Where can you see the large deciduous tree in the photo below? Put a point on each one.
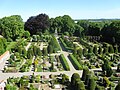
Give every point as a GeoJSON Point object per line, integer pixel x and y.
{"type": "Point", "coordinates": [37, 24]}
{"type": "Point", "coordinates": [111, 32]}
{"type": "Point", "coordinates": [12, 27]}
{"type": "Point", "coordinates": [3, 45]}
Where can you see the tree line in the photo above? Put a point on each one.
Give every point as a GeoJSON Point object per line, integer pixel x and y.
{"type": "Point", "coordinates": [13, 27]}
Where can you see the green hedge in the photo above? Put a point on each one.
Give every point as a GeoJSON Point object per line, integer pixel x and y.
{"type": "Point", "coordinates": [66, 47]}
{"type": "Point", "coordinates": [56, 45]}
{"type": "Point", "coordinates": [75, 63]}
{"type": "Point", "coordinates": [64, 62]}
{"type": "Point", "coordinates": [84, 43]}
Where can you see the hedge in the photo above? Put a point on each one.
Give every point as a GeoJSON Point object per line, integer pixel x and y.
{"type": "Point", "coordinates": [75, 63]}
{"type": "Point", "coordinates": [56, 45]}
{"type": "Point", "coordinates": [84, 43]}
{"type": "Point", "coordinates": [64, 44]}
{"type": "Point", "coordinates": [64, 62]}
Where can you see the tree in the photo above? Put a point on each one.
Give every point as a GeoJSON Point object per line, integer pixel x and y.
{"type": "Point", "coordinates": [111, 49]}
{"type": "Point", "coordinates": [78, 30]}
{"type": "Point", "coordinates": [85, 72]}
{"type": "Point", "coordinates": [56, 24]}
{"type": "Point", "coordinates": [94, 28]}
{"type": "Point", "coordinates": [88, 76]}
{"type": "Point", "coordinates": [111, 32]}
{"type": "Point", "coordinates": [79, 51]}
{"type": "Point", "coordinates": [95, 51]}
{"type": "Point", "coordinates": [116, 49]}
{"type": "Point", "coordinates": [68, 24]}
{"type": "Point", "coordinates": [65, 79]}
{"type": "Point", "coordinates": [100, 50]}
{"type": "Point", "coordinates": [107, 68]}
{"type": "Point", "coordinates": [52, 66]}
{"type": "Point", "coordinates": [45, 52]}
{"type": "Point", "coordinates": [85, 52]}
{"type": "Point", "coordinates": [106, 82]}
{"type": "Point", "coordinates": [84, 24]}
{"type": "Point", "coordinates": [50, 49]}
{"type": "Point", "coordinates": [12, 27]}
{"type": "Point", "coordinates": [90, 49]}
{"type": "Point", "coordinates": [91, 84]}
{"type": "Point", "coordinates": [30, 53]}
{"type": "Point", "coordinates": [80, 86]}
{"type": "Point", "coordinates": [105, 50]}
{"type": "Point", "coordinates": [74, 77]}
{"type": "Point", "coordinates": [37, 24]}
{"type": "Point", "coordinates": [118, 86]}
{"type": "Point", "coordinates": [3, 45]}
{"type": "Point", "coordinates": [26, 34]}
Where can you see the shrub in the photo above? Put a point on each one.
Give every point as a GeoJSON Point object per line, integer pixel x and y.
{"type": "Point", "coordinates": [75, 63]}
{"type": "Point", "coordinates": [64, 62]}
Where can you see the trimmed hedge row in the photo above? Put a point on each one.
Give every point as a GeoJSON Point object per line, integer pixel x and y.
{"type": "Point", "coordinates": [84, 43]}
{"type": "Point", "coordinates": [56, 45]}
{"type": "Point", "coordinates": [75, 63]}
{"type": "Point", "coordinates": [64, 62]}
{"type": "Point", "coordinates": [64, 44]}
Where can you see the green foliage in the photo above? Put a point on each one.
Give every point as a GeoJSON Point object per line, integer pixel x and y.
{"type": "Point", "coordinates": [64, 62]}
{"type": "Point", "coordinates": [65, 79]}
{"type": "Point", "coordinates": [95, 51]}
{"type": "Point", "coordinates": [90, 50]}
{"type": "Point", "coordinates": [100, 50]}
{"type": "Point", "coordinates": [75, 63]}
{"type": "Point", "coordinates": [12, 27]}
{"type": "Point", "coordinates": [75, 77]}
{"type": "Point", "coordinates": [118, 86]}
{"type": "Point", "coordinates": [111, 32]}
{"type": "Point", "coordinates": [3, 45]}
{"type": "Point", "coordinates": [94, 28]}
{"type": "Point", "coordinates": [91, 84]}
{"type": "Point", "coordinates": [85, 52]}
{"type": "Point", "coordinates": [80, 86]}
{"type": "Point", "coordinates": [53, 45]}
{"type": "Point", "coordinates": [79, 52]}
{"type": "Point", "coordinates": [111, 49]}
{"type": "Point", "coordinates": [11, 87]}
{"type": "Point", "coordinates": [65, 45]}
{"type": "Point", "coordinates": [30, 53]}
{"type": "Point", "coordinates": [107, 69]}
{"type": "Point", "coordinates": [45, 52]}
{"type": "Point", "coordinates": [37, 24]}
{"type": "Point", "coordinates": [88, 76]}
{"type": "Point", "coordinates": [26, 34]}
{"type": "Point", "coordinates": [106, 82]}
{"type": "Point", "coordinates": [50, 49]}
{"type": "Point", "coordinates": [85, 72]}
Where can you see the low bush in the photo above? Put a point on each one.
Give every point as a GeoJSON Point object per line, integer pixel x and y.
{"type": "Point", "coordinates": [75, 63]}
{"type": "Point", "coordinates": [64, 62]}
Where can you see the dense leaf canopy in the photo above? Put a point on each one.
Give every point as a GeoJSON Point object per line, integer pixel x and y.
{"type": "Point", "coordinates": [11, 27]}
{"type": "Point", "coordinates": [37, 24]}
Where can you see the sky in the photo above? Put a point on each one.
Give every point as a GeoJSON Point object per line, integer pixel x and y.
{"type": "Point", "coordinates": [77, 9]}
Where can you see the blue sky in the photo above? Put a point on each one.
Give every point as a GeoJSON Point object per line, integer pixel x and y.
{"type": "Point", "coordinates": [77, 9]}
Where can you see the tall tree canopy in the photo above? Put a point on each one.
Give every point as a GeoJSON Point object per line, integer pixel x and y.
{"type": "Point", "coordinates": [37, 24]}
{"type": "Point", "coordinates": [12, 27]}
{"type": "Point", "coordinates": [111, 32]}
{"type": "Point", "coordinates": [3, 45]}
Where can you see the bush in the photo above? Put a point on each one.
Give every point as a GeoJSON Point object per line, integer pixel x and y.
{"type": "Point", "coordinates": [64, 62]}
{"type": "Point", "coordinates": [54, 43]}
{"type": "Point", "coordinates": [75, 63]}
{"type": "Point", "coordinates": [64, 44]}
